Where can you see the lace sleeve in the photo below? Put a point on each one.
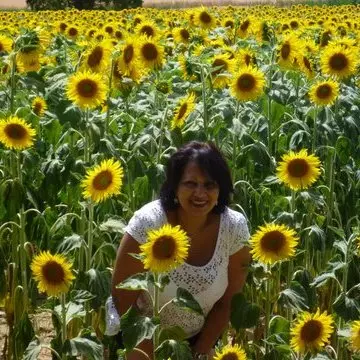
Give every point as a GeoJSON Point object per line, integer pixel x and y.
{"type": "Point", "coordinates": [241, 234]}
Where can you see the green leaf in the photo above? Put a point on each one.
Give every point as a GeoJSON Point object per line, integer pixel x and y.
{"type": "Point", "coordinates": [83, 346]}
{"type": "Point", "coordinates": [185, 300]}
{"type": "Point", "coordinates": [135, 328]}
{"type": "Point", "coordinates": [175, 350]}
{"type": "Point", "coordinates": [323, 278]}
{"type": "Point", "coordinates": [81, 296]}
{"type": "Point", "coordinates": [343, 149]}
{"type": "Point", "coordinates": [113, 225]}
{"type": "Point", "coordinates": [243, 313]}
{"type": "Point", "coordinates": [72, 311]}
{"type": "Point", "coordinates": [70, 243]}
{"type": "Point", "coordinates": [279, 330]}
{"type": "Point", "coordinates": [347, 308]}
{"type": "Point", "coordinates": [295, 296]}
{"type": "Point", "coordinates": [33, 350]}
{"type": "Point", "coordinates": [135, 282]}
{"type": "Point", "coordinates": [174, 332]}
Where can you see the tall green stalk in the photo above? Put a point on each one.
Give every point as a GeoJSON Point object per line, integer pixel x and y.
{"type": "Point", "coordinates": [107, 119]}
{"type": "Point", "coordinates": [267, 306]}
{"type": "Point", "coordinates": [205, 114]}
{"type": "Point", "coordinates": [22, 240]}
{"type": "Point", "coordinates": [63, 323]}
{"type": "Point", "coordinates": [156, 312]}
{"type": "Point", "coordinates": [314, 135]}
{"type": "Point", "coordinates": [12, 82]}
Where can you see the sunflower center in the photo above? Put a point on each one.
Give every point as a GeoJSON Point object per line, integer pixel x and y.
{"type": "Point", "coordinates": [182, 110]}
{"type": "Point", "coordinates": [95, 57]}
{"type": "Point", "coordinates": [307, 63]}
{"type": "Point", "coordinates": [109, 30]}
{"type": "Point", "coordinates": [184, 34]}
{"type": "Point", "coordinates": [247, 59]}
{"type": "Point", "coordinates": [205, 17]}
{"type": "Point", "coordinates": [102, 180]}
{"type": "Point", "coordinates": [298, 168]}
{"type": "Point", "coordinates": [15, 131]}
{"type": "Point", "coordinates": [246, 82]}
{"type": "Point", "coordinates": [229, 23]}
{"type": "Point", "coordinates": [285, 51]}
{"type": "Point", "coordinates": [73, 32]}
{"type": "Point", "coordinates": [118, 34]}
{"type": "Point", "coordinates": [311, 331]}
{"type": "Point", "coordinates": [221, 64]}
{"type": "Point", "coordinates": [53, 272]}
{"type": "Point", "coordinates": [294, 24]}
{"type": "Point", "coordinates": [148, 30]}
{"type": "Point", "coordinates": [338, 62]}
{"type": "Point", "coordinates": [87, 88]}
{"type": "Point", "coordinates": [164, 248]}
{"type": "Point", "coordinates": [323, 91]}
{"type": "Point", "coordinates": [273, 241]}
{"type": "Point", "coordinates": [230, 356]}
{"type": "Point", "coordinates": [128, 54]}
{"type": "Point", "coordinates": [37, 108]}
{"type": "Point", "coordinates": [63, 27]}
{"type": "Point", "coordinates": [149, 52]}
{"type": "Point", "coordinates": [244, 26]}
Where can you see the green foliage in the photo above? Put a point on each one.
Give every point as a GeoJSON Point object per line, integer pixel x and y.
{"type": "Point", "coordinates": [48, 4]}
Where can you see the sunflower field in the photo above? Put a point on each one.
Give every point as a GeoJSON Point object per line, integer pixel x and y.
{"type": "Point", "coordinates": [93, 103]}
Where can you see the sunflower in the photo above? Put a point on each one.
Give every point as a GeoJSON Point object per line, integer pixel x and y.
{"type": "Point", "coordinates": [5, 44]}
{"type": "Point", "coordinates": [151, 53]}
{"type": "Point", "coordinates": [273, 242]}
{"type": "Point", "coordinates": [203, 18]}
{"type": "Point", "coordinates": [355, 336]}
{"type": "Point", "coordinates": [16, 134]}
{"type": "Point", "coordinates": [338, 61]}
{"type": "Point", "coordinates": [185, 107]}
{"type": "Point", "coordinates": [306, 66]}
{"type": "Point", "coordinates": [221, 66]}
{"type": "Point", "coordinates": [165, 249]}
{"type": "Point", "coordinates": [245, 57]}
{"type": "Point", "coordinates": [103, 180]}
{"type": "Point", "coordinates": [52, 273]}
{"type": "Point", "coordinates": [298, 170]}
{"type": "Point", "coordinates": [181, 35]}
{"type": "Point", "coordinates": [289, 50]}
{"type": "Point", "coordinates": [248, 84]}
{"type": "Point", "coordinates": [86, 89]}
{"type": "Point", "coordinates": [97, 57]}
{"type": "Point", "coordinates": [39, 106]}
{"type": "Point", "coordinates": [244, 28]}
{"type": "Point", "coordinates": [311, 331]}
{"type": "Point", "coordinates": [128, 63]}
{"type": "Point", "coordinates": [324, 92]}
{"type": "Point", "coordinates": [28, 60]}
{"type": "Point", "coordinates": [230, 352]}
{"type": "Point", "coordinates": [147, 28]}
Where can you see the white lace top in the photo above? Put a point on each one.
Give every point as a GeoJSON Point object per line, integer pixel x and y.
{"type": "Point", "coordinates": [206, 283]}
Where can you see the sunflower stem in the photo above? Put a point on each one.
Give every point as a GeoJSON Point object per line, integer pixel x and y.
{"type": "Point", "coordinates": [22, 238]}
{"type": "Point", "coordinates": [12, 82]}
{"type": "Point", "coordinates": [331, 180]}
{"type": "Point", "coordinates": [107, 120]}
{"type": "Point", "coordinates": [156, 312]}
{"type": "Point", "coordinates": [267, 307]}
{"type": "Point", "coordinates": [313, 144]}
{"type": "Point", "coordinates": [86, 139]}
{"type": "Point", "coordinates": [63, 323]}
{"type": "Point", "coordinates": [205, 114]}
{"type": "Point", "coordinates": [88, 259]}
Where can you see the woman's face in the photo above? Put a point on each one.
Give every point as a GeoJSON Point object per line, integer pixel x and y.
{"type": "Point", "coordinates": [197, 193]}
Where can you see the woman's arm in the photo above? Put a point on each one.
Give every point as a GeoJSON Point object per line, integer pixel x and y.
{"type": "Point", "coordinates": [218, 317]}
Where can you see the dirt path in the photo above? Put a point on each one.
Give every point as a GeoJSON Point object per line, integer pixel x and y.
{"type": "Point", "coordinates": [43, 328]}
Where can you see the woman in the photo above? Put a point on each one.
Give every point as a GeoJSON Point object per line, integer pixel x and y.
{"type": "Point", "coordinates": [195, 195]}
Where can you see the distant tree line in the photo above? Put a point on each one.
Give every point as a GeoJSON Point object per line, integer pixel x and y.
{"type": "Point", "coordinates": [82, 4]}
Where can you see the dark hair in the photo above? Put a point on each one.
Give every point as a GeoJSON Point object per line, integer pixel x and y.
{"type": "Point", "coordinates": [208, 157]}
